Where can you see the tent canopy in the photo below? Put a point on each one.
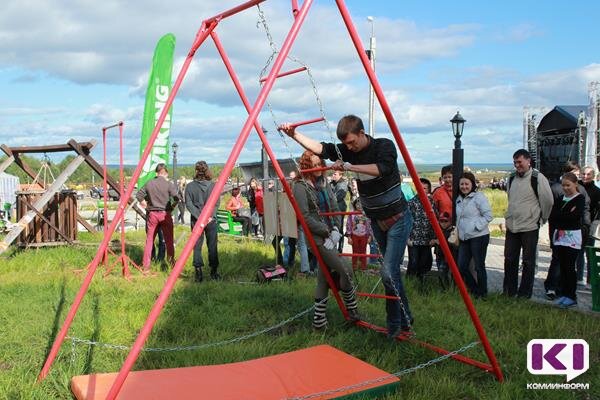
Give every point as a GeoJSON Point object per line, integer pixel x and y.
{"type": "Point", "coordinates": [9, 184]}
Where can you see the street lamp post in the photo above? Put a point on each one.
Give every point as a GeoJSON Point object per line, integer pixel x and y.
{"type": "Point", "coordinates": [371, 55]}
{"type": "Point", "coordinates": [264, 159]}
{"type": "Point", "coordinates": [175, 146]}
{"type": "Point", "coordinates": [458, 123]}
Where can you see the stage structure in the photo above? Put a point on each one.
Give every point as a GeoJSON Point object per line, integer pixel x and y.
{"type": "Point", "coordinates": [208, 29]}
{"type": "Point", "coordinates": [555, 135]}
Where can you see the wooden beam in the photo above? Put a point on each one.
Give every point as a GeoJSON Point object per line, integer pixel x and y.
{"type": "Point", "coordinates": [55, 148]}
{"type": "Point", "coordinates": [6, 163]}
{"type": "Point", "coordinates": [109, 179]}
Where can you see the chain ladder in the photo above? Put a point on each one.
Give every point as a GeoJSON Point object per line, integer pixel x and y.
{"type": "Point", "coordinates": [262, 21]}
{"type": "Point", "coordinates": [386, 377]}
{"type": "Point", "coordinates": [76, 340]}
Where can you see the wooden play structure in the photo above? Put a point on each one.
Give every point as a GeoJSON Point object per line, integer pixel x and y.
{"type": "Point", "coordinates": [55, 224]}
{"type": "Point", "coordinates": [226, 378]}
{"type": "Point", "coordinates": [41, 218]}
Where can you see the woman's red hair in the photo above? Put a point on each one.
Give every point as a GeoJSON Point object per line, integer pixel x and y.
{"type": "Point", "coordinates": [305, 162]}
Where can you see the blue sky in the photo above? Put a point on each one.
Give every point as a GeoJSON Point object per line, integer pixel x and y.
{"type": "Point", "coordinates": [69, 68]}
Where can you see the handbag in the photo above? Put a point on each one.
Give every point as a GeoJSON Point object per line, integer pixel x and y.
{"type": "Point", "coordinates": [255, 218]}
{"type": "Point", "coordinates": [268, 273]}
{"type": "Point", "coordinates": [453, 238]}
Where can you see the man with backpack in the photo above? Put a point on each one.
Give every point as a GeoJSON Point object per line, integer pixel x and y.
{"type": "Point", "coordinates": [530, 201]}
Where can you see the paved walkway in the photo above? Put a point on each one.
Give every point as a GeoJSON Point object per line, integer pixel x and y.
{"type": "Point", "coordinates": [495, 269]}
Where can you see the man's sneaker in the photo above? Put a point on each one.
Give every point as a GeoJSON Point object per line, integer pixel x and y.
{"type": "Point", "coordinates": [401, 331]}
{"type": "Point", "coordinates": [215, 276]}
{"type": "Point", "coordinates": [568, 303]}
{"type": "Point", "coordinates": [560, 301]}
{"type": "Point", "coordinates": [550, 294]}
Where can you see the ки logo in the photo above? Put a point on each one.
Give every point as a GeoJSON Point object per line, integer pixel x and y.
{"type": "Point", "coordinates": [568, 357]}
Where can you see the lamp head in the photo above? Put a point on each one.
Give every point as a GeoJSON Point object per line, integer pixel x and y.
{"type": "Point", "coordinates": [458, 123]}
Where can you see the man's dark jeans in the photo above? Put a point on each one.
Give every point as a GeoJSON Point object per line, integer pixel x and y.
{"type": "Point", "coordinates": [512, 255]}
{"type": "Point", "coordinates": [211, 241]}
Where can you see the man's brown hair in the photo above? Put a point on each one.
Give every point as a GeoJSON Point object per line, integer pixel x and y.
{"type": "Point", "coordinates": [349, 124]}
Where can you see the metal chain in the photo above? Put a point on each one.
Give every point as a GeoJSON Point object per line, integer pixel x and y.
{"type": "Point", "coordinates": [73, 352]}
{"type": "Point", "coordinates": [386, 377]}
{"type": "Point", "coordinates": [262, 21]}
{"type": "Point", "coordinates": [75, 340]}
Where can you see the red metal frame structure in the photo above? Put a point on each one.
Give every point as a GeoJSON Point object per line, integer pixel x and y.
{"type": "Point", "coordinates": [207, 29]}
{"type": "Point", "coordinates": [122, 258]}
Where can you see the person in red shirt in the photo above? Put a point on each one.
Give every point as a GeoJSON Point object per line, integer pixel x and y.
{"type": "Point", "coordinates": [442, 196]}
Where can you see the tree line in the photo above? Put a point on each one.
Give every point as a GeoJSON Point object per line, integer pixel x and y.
{"type": "Point", "coordinates": [86, 176]}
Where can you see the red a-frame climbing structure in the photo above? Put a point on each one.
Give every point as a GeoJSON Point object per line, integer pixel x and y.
{"type": "Point", "coordinates": [208, 29]}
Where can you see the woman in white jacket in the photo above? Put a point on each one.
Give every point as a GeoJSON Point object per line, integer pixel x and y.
{"type": "Point", "coordinates": [473, 214]}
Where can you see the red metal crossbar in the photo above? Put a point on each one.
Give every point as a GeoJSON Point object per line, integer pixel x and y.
{"type": "Point", "coordinates": [409, 338]}
{"type": "Point", "coordinates": [290, 72]}
{"type": "Point", "coordinates": [334, 213]}
{"type": "Point", "coordinates": [306, 171]}
{"type": "Point", "coordinates": [307, 122]}
{"type": "Point", "coordinates": [359, 255]}
{"type": "Point", "coordinates": [377, 296]}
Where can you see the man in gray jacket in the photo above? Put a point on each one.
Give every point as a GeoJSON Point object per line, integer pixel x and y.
{"type": "Point", "coordinates": [196, 195]}
{"type": "Point", "coordinates": [530, 201]}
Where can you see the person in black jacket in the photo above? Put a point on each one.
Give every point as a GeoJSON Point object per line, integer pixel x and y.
{"type": "Point", "coordinates": [566, 218]}
{"type": "Point", "coordinates": [196, 195]}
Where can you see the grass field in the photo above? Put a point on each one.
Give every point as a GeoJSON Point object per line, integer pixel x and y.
{"type": "Point", "coordinates": [37, 288]}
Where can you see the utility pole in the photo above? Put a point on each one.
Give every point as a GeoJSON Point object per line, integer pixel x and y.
{"type": "Point", "coordinates": [264, 158]}
{"type": "Point", "coordinates": [371, 55]}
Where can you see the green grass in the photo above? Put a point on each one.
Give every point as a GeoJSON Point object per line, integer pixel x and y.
{"type": "Point", "coordinates": [37, 288]}
{"type": "Point", "coordinates": [498, 201]}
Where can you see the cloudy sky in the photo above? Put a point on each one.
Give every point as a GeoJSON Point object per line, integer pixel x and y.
{"type": "Point", "coordinates": [68, 68]}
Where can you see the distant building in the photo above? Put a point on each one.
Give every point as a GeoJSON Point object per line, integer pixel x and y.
{"type": "Point", "coordinates": [255, 169]}
{"type": "Point", "coordinates": [563, 133]}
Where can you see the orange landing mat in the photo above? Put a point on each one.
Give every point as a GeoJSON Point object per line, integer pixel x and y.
{"type": "Point", "coordinates": [298, 373]}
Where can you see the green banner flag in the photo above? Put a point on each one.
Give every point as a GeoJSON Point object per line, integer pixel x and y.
{"type": "Point", "coordinates": [159, 88]}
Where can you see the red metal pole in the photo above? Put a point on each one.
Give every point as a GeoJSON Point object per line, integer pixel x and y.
{"type": "Point", "coordinates": [310, 121]}
{"type": "Point", "coordinates": [290, 72]}
{"type": "Point", "coordinates": [439, 350]}
{"type": "Point", "coordinates": [105, 192]}
{"type": "Point", "coordinates": [60, 337]}
{"type": "Point", "coordinates": [125, 267]}
{"type": "Point", "coordinates": [359, 255]}
{"type": "Point", "coordinates": [377, 296]}
{"type": "Point", "coordinates": [209, 206]}
{"type": "Point", "coordinates": [420, 191]}
{"type": "Point", "coordinates": [279, 172]}
{"type": "Point", "coordinates": [232, 11]}
{"type": "Point", "coordinates": [334, 213]}
{"type": "Point", "coordinates": [308, 170]}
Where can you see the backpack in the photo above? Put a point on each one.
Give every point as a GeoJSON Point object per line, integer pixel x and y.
{"type": "Point", "coordinates": [534, 182]}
